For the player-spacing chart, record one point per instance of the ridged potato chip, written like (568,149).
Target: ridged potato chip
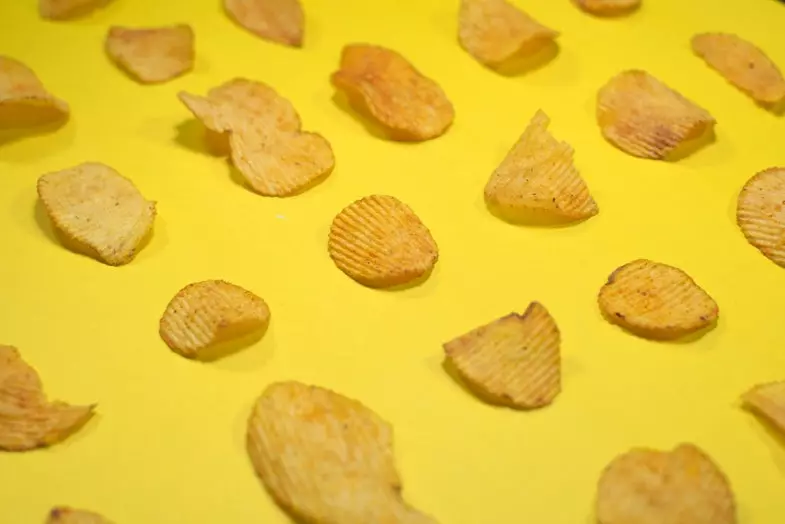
(608,7)
(379,242)
(645,118)
(281,21)
(152,55)
(538,179)
(66,515)
(326,458)
(24,101)
(27,419)
(381,82)
(760,215)
(64,9)
(680,486)
(768,400)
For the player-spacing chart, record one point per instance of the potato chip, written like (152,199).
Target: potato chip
(64,9)
(514,361)
(656,301)
(768,400)
(24,101)
(152,55)
(645,118)
(379,242)
(680,486)
(760,215)
(326,458)
(379,81)
(280,21)
(97,211)
(66,515)
(608,7)
(538,178)
(27,419)
(742,64)
(493,31)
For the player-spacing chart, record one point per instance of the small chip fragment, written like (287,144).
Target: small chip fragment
(538,178)
(27,419)
(381,82)
(152,55)
(326,458)
(683,485)
(645,118)
(608,7)
(66,515)
(64,9)
(513,361)
(379,242)
(281,21)
(24,102)
(768,400)
(760,214)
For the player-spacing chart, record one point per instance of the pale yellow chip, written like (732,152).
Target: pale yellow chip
(608,7)
(656,301)
(514,361)
(152,55)
(281,21)
(494,31)
(768,400)
(64,9)
(538,179)
(379,242)
(645,118)
(24,101)
(326,458)
(383,84)
(681,486)
(66,515)
(742,64)
(27,419)
(760,214)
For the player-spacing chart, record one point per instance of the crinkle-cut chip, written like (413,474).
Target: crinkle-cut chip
(97,211)
(381,82)
(205,314)
(680,486)
(538,177)
(27,419)
(64,9)
(608,7)
(281,21)
(326,458)
(493,31)
(514,361)
(66,515)
(742,64)
(152,55)
(760,214)
(768,400)
(645,118)
(379,242)
(24,101)
(656,301)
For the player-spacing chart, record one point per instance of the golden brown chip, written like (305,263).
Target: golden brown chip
(768,400)
(66,515)
(760,214)
(656,301)
(280,21)
(742,64)
(681,486)
(326,458)
(384,84)
(27,419)
(24,101)
(643,117)
(379,242)
(152,55)
(608,7)
(514,360)
(538,178)
(63,9)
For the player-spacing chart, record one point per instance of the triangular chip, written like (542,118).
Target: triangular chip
(760,215)
(27,419)
(768,400)
(538,178)
(152,55)
(24,101)
(608,7)
(281,21)
(64,9)
(66,515)
(326,458)
(379,242)
(645,118)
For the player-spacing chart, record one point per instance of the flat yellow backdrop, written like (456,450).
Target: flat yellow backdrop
(168,443)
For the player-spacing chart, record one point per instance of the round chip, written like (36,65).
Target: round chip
(24,102)
(608,7)
(66,515)
(280,21)
(64,9)
(152,55)
(760,214)
(768,400)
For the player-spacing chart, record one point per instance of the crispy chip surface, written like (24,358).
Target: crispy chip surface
(607,7)
(768,400)
(27,419)
(410,106)
(379,242)
(681,486)
(66,515)
(515,360)
(281,21)
(645,118)
(326,458)
(760,214)
(152,55)
(63,9)
(23,99)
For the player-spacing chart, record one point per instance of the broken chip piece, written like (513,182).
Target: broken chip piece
(64,9)
(66,515)
(608,7)
(281,21)
(768,400)
(759,213)
(24,102)
(152,55)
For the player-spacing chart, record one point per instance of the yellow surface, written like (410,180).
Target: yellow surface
(168,443)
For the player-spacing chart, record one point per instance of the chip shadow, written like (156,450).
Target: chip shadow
(231,347)
(612,15)
(194,136)
(528,59)
(9,135)
(690,147)
(534,218)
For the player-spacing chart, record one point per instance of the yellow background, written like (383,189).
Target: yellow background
(167,444)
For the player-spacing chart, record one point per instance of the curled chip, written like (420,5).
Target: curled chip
(66,515)
(645,486)
(27,419)
(644,117)
(63,9)
(742,64)
(326,458)
(379,242)
(656,301)
(97,211)
(280,21)
(24,101)
(608,7)
(513,361)
(152,55)
(760,215)
(379,81)
(538,178)
(768,400)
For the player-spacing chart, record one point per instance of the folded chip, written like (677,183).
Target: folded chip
(645,118)
(24,101)
(66,515)
(326,458)
(27,419)
(281,21)
(383,84)
(683,485)
(608,7)
(768,400)
(64,9)
(759,213)
(152,55)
